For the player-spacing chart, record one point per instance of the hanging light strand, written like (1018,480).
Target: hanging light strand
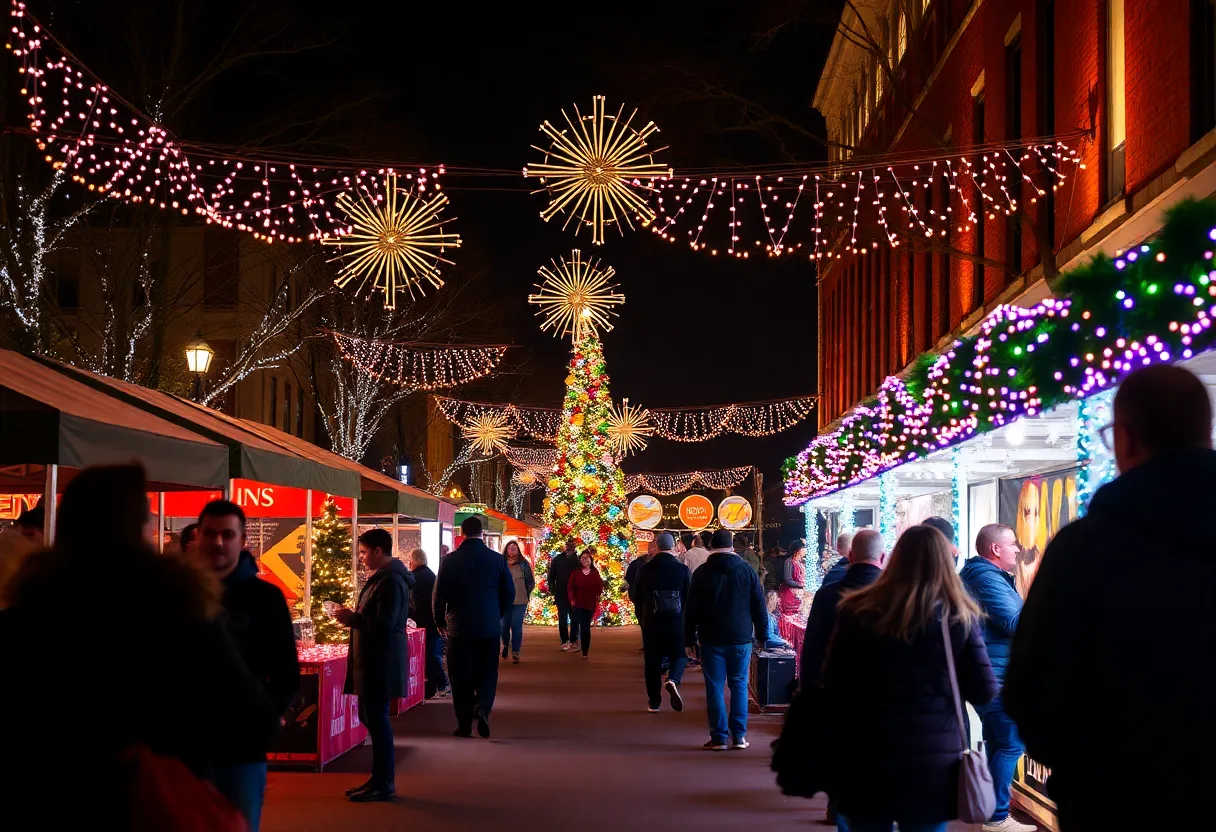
(537,422)
(420,366)
(665,485)
(747,419)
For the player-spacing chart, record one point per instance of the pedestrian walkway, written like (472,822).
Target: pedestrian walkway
(573,749)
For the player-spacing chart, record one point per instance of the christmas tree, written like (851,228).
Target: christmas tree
(586,491)
(331,558)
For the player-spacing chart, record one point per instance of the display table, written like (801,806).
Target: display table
(323,723)
(793,630)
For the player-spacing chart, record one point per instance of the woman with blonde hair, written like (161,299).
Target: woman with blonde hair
(887,673)
(513,620)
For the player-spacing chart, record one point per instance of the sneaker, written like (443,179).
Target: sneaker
(565,647)
(716,745)
(1009,825)
(504,652)
(654,709)
(584,655)
(677,701)
(444,694)
(514,658)
(741,744)
(483,723)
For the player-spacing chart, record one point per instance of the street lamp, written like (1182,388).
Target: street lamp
(198,360)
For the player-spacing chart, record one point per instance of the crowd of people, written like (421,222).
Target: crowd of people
(1100,664)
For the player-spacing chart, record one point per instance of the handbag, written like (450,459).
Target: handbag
(976,797)
(163,793)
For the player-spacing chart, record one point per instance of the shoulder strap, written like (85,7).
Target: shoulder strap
(958,701)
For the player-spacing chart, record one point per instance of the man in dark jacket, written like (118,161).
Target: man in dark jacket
(989,580)
(661,596)
(744,550)
(867,554)
(844,548)
(378,659)
(259,622)
(1112,657)
(422,597)
(561,567)
(473,592)
(725,614)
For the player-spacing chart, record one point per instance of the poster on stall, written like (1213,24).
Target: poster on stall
(912,511)
(1036,508)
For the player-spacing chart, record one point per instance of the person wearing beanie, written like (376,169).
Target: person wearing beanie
(725,614)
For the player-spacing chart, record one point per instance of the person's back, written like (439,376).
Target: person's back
(663,574)
(1112,657)
(725,602)
(468,591)
(821,621)
(422,597)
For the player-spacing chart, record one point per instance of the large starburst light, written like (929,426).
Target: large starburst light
(488,431)
(592,170)
(576,297)
(628,428)
(396,240)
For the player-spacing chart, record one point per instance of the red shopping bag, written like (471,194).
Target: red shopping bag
(164,794)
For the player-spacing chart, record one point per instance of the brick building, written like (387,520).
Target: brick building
(1137,76)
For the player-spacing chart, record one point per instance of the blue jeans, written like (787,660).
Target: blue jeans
(513,626)
(244,784)
(1004,748)
(723,665)
(436,679)
(843,824)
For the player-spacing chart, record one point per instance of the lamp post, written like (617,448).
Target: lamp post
(198,360)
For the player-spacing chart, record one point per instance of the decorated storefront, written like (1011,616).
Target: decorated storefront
(1005,425)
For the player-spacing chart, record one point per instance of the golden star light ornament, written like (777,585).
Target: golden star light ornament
(489,431)
(576,297)
(628,428)
(592,170)
(396,240)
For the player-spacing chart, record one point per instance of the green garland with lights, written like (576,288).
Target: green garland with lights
(1154,303)
(586,492)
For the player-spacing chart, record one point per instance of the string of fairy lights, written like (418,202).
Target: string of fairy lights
(419,366)
(539,423)
(665,485)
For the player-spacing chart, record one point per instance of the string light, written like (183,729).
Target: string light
(1148,305)
(1096,463)
(814,571)
(576,297)
(628,428)
(747,419)
(533,460)
(667,484)
(958,485)
(537,422)
(591,171)
(395,240)
(114,150)
(419,366)
(886,509)
(853,196)
(488,432)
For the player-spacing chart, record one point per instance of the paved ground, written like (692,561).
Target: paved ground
(573,749)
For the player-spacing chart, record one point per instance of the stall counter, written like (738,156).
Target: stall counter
(323,723)
(793,630)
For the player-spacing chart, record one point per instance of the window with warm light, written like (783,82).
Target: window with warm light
(901,44)
(1116,100)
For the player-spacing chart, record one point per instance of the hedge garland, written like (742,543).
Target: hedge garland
(1154,303)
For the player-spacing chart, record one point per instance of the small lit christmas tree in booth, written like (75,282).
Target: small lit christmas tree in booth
(586,490)
(331,556)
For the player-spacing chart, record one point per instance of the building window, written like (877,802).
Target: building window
(1116,101)
(67,285)
(221,261)
(1203,64)
(274,402)
(1045,43)
(901,42)
(300,412)
(1013,131)
(878,82)
(977,137)
(287,406)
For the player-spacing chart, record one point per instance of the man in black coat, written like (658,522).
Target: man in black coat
(422,598)
(844,547)
(561,567)
(259,622)
(1112,658)
(378,659)
(725,614)
(867,554)
(660,598)
(473,591)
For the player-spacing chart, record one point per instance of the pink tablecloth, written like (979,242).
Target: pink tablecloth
(793,630)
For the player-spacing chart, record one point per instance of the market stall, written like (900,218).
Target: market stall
(493,527)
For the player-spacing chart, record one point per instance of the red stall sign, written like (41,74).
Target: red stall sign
(256,499)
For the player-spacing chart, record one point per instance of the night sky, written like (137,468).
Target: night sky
(454,83)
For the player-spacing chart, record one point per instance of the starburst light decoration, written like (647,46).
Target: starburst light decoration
(592,169)
(396,240)
(488,431)
(576,297)
(628,428)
